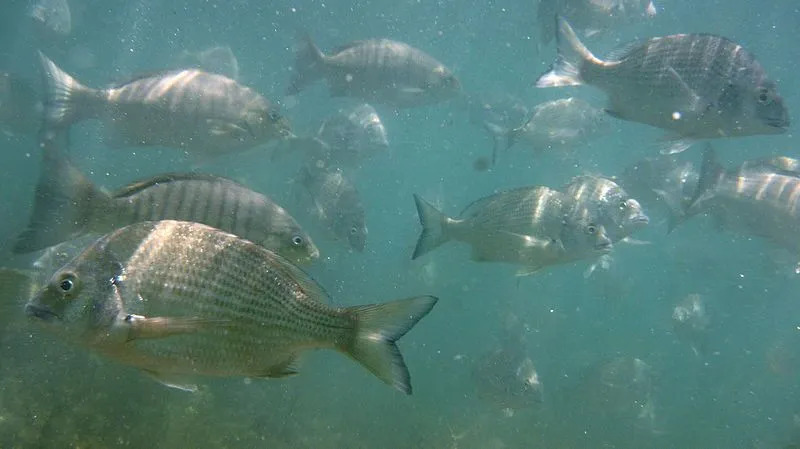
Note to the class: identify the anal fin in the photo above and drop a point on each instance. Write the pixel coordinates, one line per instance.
(172, 380)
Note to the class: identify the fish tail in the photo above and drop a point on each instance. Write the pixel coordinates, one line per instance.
(711, 172)
(62, 205)
(378, 328)
(434, 227)
(571, 59)
(308, 65)
(67, 100)
(502, 138)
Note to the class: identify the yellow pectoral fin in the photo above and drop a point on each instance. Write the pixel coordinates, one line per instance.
(158, 327)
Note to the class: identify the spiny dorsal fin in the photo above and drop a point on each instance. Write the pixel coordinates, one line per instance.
(138, 186)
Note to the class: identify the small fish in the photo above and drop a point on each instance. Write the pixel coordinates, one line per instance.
(527, 226)
(346, 138)
(203, 113)
(179, 300)
(68, 205)
(20, 106)
(337, 203)
(51, 18)
(608, 204)
(594, 17)
(690, 322)
(376, 70)
(696, 86)
(559, 125)
(219, 60)
(757, 198)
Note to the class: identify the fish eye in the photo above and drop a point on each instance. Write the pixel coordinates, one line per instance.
(353, 230)
(273, 116)
(763, 95)
(591, 229)
(297, 240)
(623, 204)
(67, 282)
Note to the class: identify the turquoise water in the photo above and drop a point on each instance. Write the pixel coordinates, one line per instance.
(739, 392)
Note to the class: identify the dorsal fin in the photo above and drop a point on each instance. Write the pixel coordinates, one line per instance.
(138, 186)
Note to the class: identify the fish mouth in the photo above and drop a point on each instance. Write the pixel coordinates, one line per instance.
(640, 220)
(780, 124)
(603, 247)
(42, 313)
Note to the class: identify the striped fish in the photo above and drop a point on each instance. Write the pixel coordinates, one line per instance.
(757, 198)
(202, 113)
(376, 70)
(68, 205)
(185, 300)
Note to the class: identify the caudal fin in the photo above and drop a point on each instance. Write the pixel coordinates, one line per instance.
(378, 328)
(62, 204)
(572, 56)
(711, 172)
(308, 65)
(434, 227)
(67, 100)
(502, 138)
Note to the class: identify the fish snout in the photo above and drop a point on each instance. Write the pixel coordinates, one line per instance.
(40, 312)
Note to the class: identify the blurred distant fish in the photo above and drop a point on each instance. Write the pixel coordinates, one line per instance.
(502, 110)
(337, 203)
(562, 124)
(180, 300)
(592, 16)
(527, 226)
(219, 60)
(690, 322)
(51, 18)
(608, 204)
(376, 70)
(661, 182)
(68, 205)
(20, 106)
(697, 86)
(346, 139)
(758, 198)
(202, 113)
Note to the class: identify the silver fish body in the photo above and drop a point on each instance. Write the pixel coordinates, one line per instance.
(376, 70)
(204, 114)
(336, 203)
(694, 85)
(563, 124)
(661, 183)
(528, 226)
(608, 204)
(180, 300)
(68, 205)
(593, 17)
(352, 136)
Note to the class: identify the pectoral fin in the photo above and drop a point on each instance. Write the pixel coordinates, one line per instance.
(140, 327)
(218, 127)
(286, 368)
(172, 381)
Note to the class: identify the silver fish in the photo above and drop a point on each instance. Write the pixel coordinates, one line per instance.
(376, 70)
(527, 226)
(690, 322)
(337, 203)
(557, 125)
(219, 60)
(179, 300)
(203, 113)
(594, 17)
(68, 205)
(608, 204)
(757, 198)
(697, 86)
(51, 18)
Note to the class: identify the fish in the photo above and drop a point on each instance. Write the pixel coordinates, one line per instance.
(219, 60)
(204, 114)
(608, 204)
(661, 182)
(51, 18)
(526, 226)
(336, 203)
(181, 300)
(690, 322)
(593, 17)
(377, 71)
(696, 86)
(20, 106)
(756, 198)
(558, 125)
(67, 205)
(346, 138)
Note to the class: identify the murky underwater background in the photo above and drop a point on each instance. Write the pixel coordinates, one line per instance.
(740, 391)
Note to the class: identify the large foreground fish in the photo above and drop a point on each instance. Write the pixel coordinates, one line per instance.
(697, 86)
(204, 114)
(67, 205)
(376, 70)
(179, 299)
